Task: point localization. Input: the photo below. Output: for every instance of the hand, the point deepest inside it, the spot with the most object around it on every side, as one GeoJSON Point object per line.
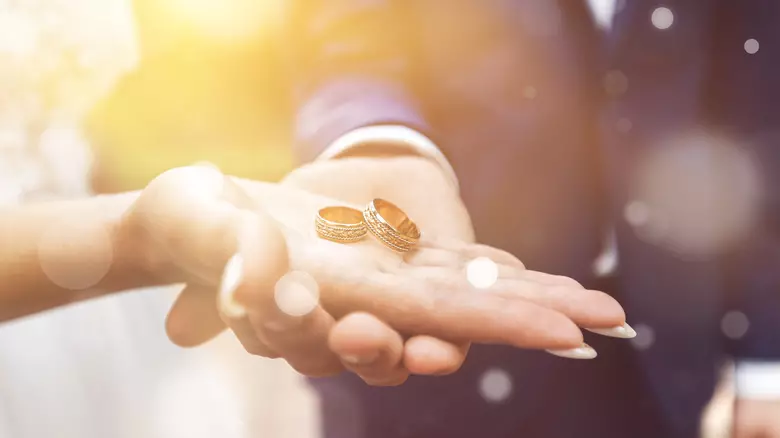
{"type": "Point", "coordinates": [757, 419]}
{"type": "Point", "coordinates": [421, 188]}
{"type": "Point", "coordinates": [416, 184]}
{"type": "Point", "coordinates": [189, 222]}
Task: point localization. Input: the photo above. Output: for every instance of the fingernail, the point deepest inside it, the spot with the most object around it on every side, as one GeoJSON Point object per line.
{"type": "Point", "coordinates": [583, 352]}
{"type": "Point", "coordinates": [360, 360]}
{"type": "Point", "coordinates": [622, 331]}
{"type": "Point", "coordinates": [231, 279]}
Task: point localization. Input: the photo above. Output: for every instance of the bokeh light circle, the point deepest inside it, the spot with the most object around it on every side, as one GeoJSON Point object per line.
{"type": "Point", "coordinates": [482, 272]}
{"type": "Point", "coordinates": [662, 18]}
{"type": "Point", "coordinates": [751, 46]}
{"type": "Point", "coordinates": [495, 385]}
{"type": "Point", "coordinates": [297, 293]}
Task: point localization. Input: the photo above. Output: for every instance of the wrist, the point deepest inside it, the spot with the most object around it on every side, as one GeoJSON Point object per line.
{"type": "Point", "coordinates": [359, 178]}
{"type": "Point", "coordinates": [140, 266]}
{"type": "Point", "coordinates": [133, 264]}
{"type": "Point", "coordinates": [383, 141]}
{"type": "Point", "coordinates": [406, 174]}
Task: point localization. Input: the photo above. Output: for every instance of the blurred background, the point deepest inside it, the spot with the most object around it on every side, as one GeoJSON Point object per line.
{"type": "Point", "coordinates": [101, 96]}
{"type": "Point", "coordinates": [206, 83]}
{"type": "Point", "coordinates": [136, 87]}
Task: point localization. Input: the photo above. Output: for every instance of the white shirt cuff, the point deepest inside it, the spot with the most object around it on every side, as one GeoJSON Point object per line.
{"type": "Point", "coordinates": [757, 380]}
{"type": "Point", "coordinates": [391, 134]}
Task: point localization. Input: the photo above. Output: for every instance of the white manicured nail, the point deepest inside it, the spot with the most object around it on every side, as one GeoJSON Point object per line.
{"type": "Point", "coordinates": [583, 352]}
{"type": "Point", "coordinates": [359, 360]}
{"type": "Point", "coordinates": [231, 279]}
{"type": "Point", "coordinates": [622, 331]}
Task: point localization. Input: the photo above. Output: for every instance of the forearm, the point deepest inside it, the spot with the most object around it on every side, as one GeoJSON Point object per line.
{"type": "Point", "coordinates": [57, 253]}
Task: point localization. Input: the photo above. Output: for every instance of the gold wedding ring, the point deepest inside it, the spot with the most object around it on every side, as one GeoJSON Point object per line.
{"type": "Point", "coordinates": [391, 225]}
{"type": "Point", "coordinates": [340, 224]}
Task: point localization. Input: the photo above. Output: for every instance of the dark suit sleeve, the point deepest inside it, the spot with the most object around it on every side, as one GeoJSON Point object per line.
{"type": "Point", "coordinates": [350, 62]}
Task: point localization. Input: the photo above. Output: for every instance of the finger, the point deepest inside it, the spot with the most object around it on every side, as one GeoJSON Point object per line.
{"type": "Point", "coordinates": [451, 310]}
{"type": "Point", "coordinates": [195, 217]}
{"type": "Point", "coordinates": [479, 267]}
{"type": "Point", "coordinates": [304, 346]}
{"type": "Point", "coordinates": [587, 308]}
{"type": "Point", "coordinates": [369, 348]}
{"type": "Point", "coordinates": [426, 355]}
{"type": "Point", "coordinates": [193, 318]}
{"type": "Point", "coordinates": [549, 279]}
{"type": "Point", "coordinates": [282, 307]}
{"type": "Point", "coordinates": [462, 251]}
{"type": "Point", "coordinates": [200, 219]}
{"type": "Point", "coordinates": [603, 327]}
{"type": "Point", "coordinates": [234, 314]}
{"type": "Point", "coordinates": [246, 335]}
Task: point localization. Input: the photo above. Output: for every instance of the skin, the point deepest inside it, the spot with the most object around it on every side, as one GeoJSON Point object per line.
{"type": "Point", "coordinates": [756, 419]}
{"type": "Point", "coordinates": [399, 177]}
{"type": "Point", "coordinates": [370, 341]}
{"type": "Point", "coordinates": [380, 314]}
{"type": "Point", "coordinates": [185, 226]}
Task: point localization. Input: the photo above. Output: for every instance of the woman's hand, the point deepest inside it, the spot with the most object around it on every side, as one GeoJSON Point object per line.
{"type": "Point", "coordinates": [321, 305]}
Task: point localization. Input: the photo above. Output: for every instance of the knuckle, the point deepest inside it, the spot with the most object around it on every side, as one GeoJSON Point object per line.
{"type": "Point", "coordinates": [256, 348]}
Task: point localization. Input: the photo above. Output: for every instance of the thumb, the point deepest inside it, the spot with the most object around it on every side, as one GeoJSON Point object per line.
{"type": "Point", "coordinates": [195, 219]}
{"type": "Point", "coordinates": [201, 312]}
{"type": "Point", "coordinates": [194, 318]}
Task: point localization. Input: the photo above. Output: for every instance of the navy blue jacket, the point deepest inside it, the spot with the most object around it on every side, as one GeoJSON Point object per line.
{"type": "Point", "coordinates": [548, 124]}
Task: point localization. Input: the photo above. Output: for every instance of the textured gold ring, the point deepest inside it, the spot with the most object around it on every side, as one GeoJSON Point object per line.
{"type": "Point", "coordinates": [390, 225]}
{"type": "Point", "coordinates": [340, 224]}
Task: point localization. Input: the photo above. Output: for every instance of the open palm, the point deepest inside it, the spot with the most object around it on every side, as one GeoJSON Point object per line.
{"type": "Point", "coordinates": [377, 312]}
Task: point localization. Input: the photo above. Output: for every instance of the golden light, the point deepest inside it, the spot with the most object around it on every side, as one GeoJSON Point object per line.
{"type": "Point", "coordinates": [225, 20]}
{"type": "Point", "coordinates": [20, 34]}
